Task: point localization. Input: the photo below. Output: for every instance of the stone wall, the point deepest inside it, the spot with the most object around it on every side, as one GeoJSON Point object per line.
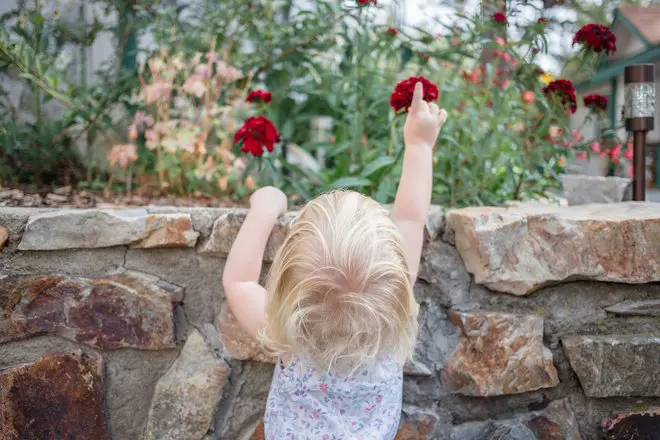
{"type": "Point", "coordinates": [537, 322]}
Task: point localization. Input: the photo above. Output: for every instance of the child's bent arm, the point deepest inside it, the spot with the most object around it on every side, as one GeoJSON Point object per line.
{"type": "Point", "coordinates": [240, 279]}
{"type": "Point", "coordinates": [413, 197]}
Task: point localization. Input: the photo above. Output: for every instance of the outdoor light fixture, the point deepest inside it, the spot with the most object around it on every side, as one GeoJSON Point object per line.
{"type": "Point", "coordinates": [639, 83]}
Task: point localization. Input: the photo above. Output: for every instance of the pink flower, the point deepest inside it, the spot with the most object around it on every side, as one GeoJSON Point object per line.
{"type": "Point", "coordinates": [631, 171]}
{"type": "Point", "coordinates": [582, 155]}
{"type": "Point", "coordinates": [595, 147]}
{"type": "Point", "coordinates": [132, 132]}
{"type": "Point", "coordinates": [324, 387]}
{"type": "Point", "coordinates": [506, 56]}
{"type": "Point", "coordinates": [577, 136]}
{"type": "Point", "coordinates": [122, 155]}
{"type": "Point", "coordinates": [615, 153]}
{"type": "Point", "coordinates": [500, 41]}
{"type": "Point", "coordinates": [629, 154]}
{"type": "Point", "coordinates": [528, 96]}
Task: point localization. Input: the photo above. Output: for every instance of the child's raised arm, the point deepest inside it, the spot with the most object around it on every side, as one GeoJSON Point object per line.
{"type": "Point", "coordinates": [240, 279]}
{"type": "Point", "coordinates": [413, 197]}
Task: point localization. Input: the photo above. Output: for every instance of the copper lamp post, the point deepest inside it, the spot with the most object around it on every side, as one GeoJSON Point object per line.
{"type": "Point", "coordinates": [639, 83]}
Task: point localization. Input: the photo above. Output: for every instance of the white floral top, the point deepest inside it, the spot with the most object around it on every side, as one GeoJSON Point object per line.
{"type": "Point", "coordinates": [305, 405]}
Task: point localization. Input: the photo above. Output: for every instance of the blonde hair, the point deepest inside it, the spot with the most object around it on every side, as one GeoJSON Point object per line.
{"type": "Point", "coordinates": [340, 292]}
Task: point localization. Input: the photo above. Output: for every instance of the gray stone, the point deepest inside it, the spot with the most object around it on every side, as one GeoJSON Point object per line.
{"type": "Point", "coordinates": [81, 262]}
{"type": "Point", "coordinates": [442, 266]}
{"type": "Point", "coordinates": [556, 422]}
{"type": "Point", "coordinates": [638, 308]}
{"type": "Point", "coordinates": [186, 396]}
{"type": "Point", "coordinates": [228, 224]}
{"type": "Point", "coordinates": [199, 275]}
{"type": "Point", "coordinates": [85, 229]}
{"type": "Point", "coordinates": [518, 250]}
{"type": "Point", "coordinates": [583, 190]}
{"type": "Point", "coordinates": [610, 366]}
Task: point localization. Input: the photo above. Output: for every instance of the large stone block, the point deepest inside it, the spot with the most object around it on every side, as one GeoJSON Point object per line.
{"type": "Point", "coordinates": [518, 250]}
{"type": "Point", "coordinates": [583, 190]}
{"type": "Point", "coordinates": [121, 310]}
{"type": "Point", "coordinates": [556, 422]}
{"type": "Point", "coordinates": [633, 426]}
{"type": "Point", "coordinates": [57, 397]}
{"type": "Point", "coordinates": [84, 229]}
{"type": "Point", "coordinates": [499, 354]}
{"type": "Point", "coordinates": [609, 366]}
{"type": "Point", "coordinates": [186, 397]}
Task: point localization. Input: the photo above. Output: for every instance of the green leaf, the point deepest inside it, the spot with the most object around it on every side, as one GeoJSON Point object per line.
{"type": "Point", "coordinates": [376, 165]}
{"type": "Point", "coordinates": [350, 182]}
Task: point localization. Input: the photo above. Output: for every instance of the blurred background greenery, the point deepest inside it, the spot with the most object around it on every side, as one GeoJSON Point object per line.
{"type": "Point", "coordinates": [145, 96]}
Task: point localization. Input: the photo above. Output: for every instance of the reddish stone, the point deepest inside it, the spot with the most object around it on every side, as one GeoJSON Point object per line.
{"type": "Point", "coordinates": [161, 231]}
{"type": "Point", "coordinates": [57, 397]}
{"type": "Point", "coordinates": [499, 354]}
{"type": "Point", "coordinates": [113, 312]}
{"type": "Point", "coordinates": [4, 236]}
{"type": "Point", "coordinates": [633, 426]}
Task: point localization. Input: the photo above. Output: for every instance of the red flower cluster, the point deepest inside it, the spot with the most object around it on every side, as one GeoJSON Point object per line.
{"type": "Point", "coordinates": [392, 31]}
{"type": "Point", "coordinates": [259, 96]}
{"type": "Point", "coordinates": [598, 37]}
{"type": "Point", "coordinates": [500, 17]}
{"type": "Point", "coordinates": [403, 93]}
{"type": "Point", "coordinates": [596, 102]}
{"type": "Point", "coordinates": [256, 134]}
{"type": "Point", "coordinates": [565, 90]}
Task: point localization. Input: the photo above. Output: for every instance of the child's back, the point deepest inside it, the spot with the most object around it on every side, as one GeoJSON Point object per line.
{"type": "Point", "coordinates": [342, 316]}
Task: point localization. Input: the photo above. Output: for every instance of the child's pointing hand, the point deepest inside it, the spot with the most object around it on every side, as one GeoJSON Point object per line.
{"type": "Point", "coordinates": [424, 121]}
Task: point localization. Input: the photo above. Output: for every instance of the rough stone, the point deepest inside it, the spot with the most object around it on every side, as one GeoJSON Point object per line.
{"type": "Point", "coordinates": [633, 426]}
{"type": "Point", "coordinates": [4, 236]}
{"type": "Point", "coordinates": [556, 422]}
{"type": "Point", "coordinates": [583, 190]}
{"type": "Point", "coordinates": [239, 344]}
{"type": "Point", "coordinates": [226, 228]}
{"type": "Point", "coordinates": [417, 424]}
{"type": "Point", "coordinates": [518, 250]}
{"type": "Point", "coordinates": [499, 354]}
{"type": "Point", "coordinates": [186, 396]}
{"type": "Point", "coordinates": [85, 229]}
{"type": "Point", "coordinates": [616, 365]}
{"type": "Point", "coordinates": [120, 310]}
{"type": "Point", "coordinates": [636, 308]}
{"type": "Point", "coordinates": [59, 396]}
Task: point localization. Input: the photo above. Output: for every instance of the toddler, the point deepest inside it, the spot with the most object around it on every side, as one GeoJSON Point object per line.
{"type": "Point", "coordinates": [338, 309]}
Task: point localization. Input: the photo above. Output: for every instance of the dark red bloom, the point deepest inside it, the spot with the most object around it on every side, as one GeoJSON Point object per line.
{"type": "Point", "coordinates": [392, 31]}
{"type": "Point", "coordinates": [564, 89]}
{"type": "Point", "coordinates": [543, 20]}
{"type": "Point", "coordinates": [365, 2]}
{"type": "Point", "coordinates": [536, 50]}
{"type": "Point", "coordinates": [597, 37]}
{"type": "Point", "coordinates": [259, 96]}
{"type": "Point", "coordinates": [256, 134]}
{"type": "Point", "coordinates": [500, 17]}
{"type": "Point", "coordinates": [403, 93]}
{"type": "Point", "coordinates": [596, 102]}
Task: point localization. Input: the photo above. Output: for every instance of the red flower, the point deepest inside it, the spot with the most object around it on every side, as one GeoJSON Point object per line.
{"type": "Point", "coordinates": [596, 102]}
{"type": "Point", "coordinates": [536, 50]}
{"type": "Point", "coordinates": [365, 2]}
{"type": "Point", "coordinates": [597, 37]}
{"type": "Point", "coordinates": [500, 17]}
{"type": "Point", "coordinates": [582, 155]}
{"type": "Point", "coordinates": [392, 31]}
{"type": "Point", "coordinates": [256, 134]}
{"type": "Point", "coordinates": [424, 55]}
{"type": "Point", "coordinates": [259, 96]}
{"type": "Point", "coordinates": [564, 89]}
{"type": "Point", "coordinates": [543, 20]}
{"type": "Point", "coordinates": [528, 96]}
{"type": "Point", "coordinates": [403, 92]}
